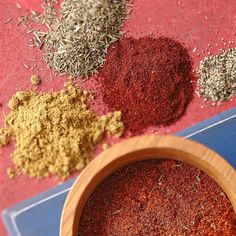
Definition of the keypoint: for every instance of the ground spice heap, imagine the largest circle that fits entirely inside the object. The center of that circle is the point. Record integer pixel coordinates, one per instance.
(158, 198)
(55, 132)
(217, 77)
(79, 33)
(149, 80)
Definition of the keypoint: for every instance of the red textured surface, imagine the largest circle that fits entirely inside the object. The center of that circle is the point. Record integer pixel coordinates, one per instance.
(193, 22)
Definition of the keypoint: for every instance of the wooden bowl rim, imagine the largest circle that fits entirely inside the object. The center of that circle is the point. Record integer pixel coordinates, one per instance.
(144, 147)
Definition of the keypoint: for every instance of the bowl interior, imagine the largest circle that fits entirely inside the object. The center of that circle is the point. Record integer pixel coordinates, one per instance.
(138, 149)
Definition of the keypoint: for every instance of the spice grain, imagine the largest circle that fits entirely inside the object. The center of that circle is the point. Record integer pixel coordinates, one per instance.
(35, 79)
(11, 173)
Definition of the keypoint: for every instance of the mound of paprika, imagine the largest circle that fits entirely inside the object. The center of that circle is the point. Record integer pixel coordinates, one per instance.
(149, 80)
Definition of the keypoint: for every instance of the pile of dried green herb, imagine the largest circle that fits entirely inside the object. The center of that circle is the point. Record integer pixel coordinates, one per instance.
(79, 33)
(217, 77)
(55, 132)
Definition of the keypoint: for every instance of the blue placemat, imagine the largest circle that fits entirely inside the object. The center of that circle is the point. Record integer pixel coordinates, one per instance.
(40, 215)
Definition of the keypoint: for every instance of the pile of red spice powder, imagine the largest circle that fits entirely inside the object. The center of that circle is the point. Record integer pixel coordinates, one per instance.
(149, 80)
(158, 198)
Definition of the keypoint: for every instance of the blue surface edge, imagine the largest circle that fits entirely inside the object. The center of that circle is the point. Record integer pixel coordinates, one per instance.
(7, 213)
(214, 119)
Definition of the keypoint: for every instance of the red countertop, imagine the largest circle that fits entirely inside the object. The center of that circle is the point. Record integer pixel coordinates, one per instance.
(195, 23)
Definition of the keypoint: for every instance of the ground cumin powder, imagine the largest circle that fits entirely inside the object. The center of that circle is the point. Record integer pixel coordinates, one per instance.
(55, 132)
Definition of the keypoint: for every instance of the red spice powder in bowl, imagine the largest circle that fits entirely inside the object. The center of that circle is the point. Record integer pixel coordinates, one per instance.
(158, 197)
(149, 79)
(123, 192)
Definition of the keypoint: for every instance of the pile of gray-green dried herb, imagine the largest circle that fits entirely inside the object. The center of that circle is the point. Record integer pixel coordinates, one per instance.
(217, 77)
(80, 33)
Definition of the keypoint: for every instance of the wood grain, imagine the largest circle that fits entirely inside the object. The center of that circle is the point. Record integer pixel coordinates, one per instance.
(143, 148)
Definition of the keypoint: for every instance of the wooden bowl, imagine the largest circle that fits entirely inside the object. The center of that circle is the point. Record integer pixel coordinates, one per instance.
(137, 149)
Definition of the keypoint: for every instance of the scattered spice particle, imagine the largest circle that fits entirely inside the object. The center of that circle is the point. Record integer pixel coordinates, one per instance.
(32, 45)
(222, 194)
(105, 146)
(116, 212)
(35, 80)
(11, 173)
(24, 20)
(18, 5)
(3, 138)
(213, 226)
(26, 66)
(7, 21)
(33, 67)
(61, 131)
(179, 165)
(39, 38)
(198, 178)
(30, 31)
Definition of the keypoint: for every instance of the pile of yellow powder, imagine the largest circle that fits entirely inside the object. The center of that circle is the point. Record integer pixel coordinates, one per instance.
(55, 132)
